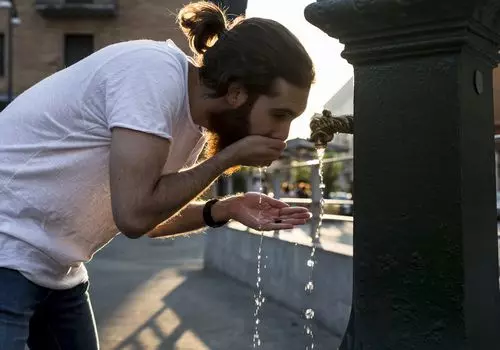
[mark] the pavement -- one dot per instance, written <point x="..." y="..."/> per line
<point x="154" y="294"/>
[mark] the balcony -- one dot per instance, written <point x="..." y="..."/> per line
<point x="77" y="8"/>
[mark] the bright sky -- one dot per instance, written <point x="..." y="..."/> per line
<point x="332" y="71"/>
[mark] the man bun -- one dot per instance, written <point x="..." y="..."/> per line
<point x="202" y="22"/>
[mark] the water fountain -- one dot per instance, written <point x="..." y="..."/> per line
<point x="325" y="126"/>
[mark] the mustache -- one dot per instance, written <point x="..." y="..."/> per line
<point x="229" y="126"/>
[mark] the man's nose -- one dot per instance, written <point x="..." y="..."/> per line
<point x="281" y="133"/>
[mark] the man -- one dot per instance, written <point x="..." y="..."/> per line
<point x="111" y="144"/>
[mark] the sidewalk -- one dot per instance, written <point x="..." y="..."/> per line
<point x="150" y="294"/>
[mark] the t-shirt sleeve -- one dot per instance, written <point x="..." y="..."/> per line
<point x="144" y="90"/>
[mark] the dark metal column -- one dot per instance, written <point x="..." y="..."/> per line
<point x="234" y="8"/>
<point x="425" y="235"/>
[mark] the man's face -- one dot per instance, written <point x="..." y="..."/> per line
<point x="263" y="115"/>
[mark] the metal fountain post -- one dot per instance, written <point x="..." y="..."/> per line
<point x="425" y="233"/>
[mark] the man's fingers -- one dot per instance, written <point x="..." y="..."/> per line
<point x="276" y="203"/>
<point x="303" y="217"/>
<point x="279" y="224"/>
<point x="293" y="210"/>
<point x="294" y="221"/>
<point x="294" y="213"/>
<point x="296" y="216"/>
<point x="277" y="144"/>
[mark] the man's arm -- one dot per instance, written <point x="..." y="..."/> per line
<point x="190" y="219"/>
<point x="141" y="197"/>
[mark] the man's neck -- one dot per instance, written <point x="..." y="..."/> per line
<point x="200" y="105"/>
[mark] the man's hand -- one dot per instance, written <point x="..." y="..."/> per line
<point x="255" y="150"/>
<point x="262" y="212"/>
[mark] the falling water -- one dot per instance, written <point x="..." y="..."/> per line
<point x="309" y="287"/>
<point x="259" y="298"/>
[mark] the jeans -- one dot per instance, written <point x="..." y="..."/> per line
<point x="42" y="318"/>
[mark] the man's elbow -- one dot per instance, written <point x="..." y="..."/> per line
<point x="130" y="227"/>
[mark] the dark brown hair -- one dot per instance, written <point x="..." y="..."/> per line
<point x="253" y="52"/>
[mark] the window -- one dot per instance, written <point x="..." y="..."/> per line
<point x="3" y="52"/>
<point x="79" y="1"/>
<point x="77" y="47"/>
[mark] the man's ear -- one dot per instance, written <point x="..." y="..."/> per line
<point x="236" y="95"/>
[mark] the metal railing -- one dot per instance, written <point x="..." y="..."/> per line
<point x="274" y="174"/>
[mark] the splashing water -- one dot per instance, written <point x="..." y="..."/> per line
<point x="309" y="287"/>
<point x="259" y="299"/>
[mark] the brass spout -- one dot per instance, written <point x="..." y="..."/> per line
<point x="325" y="126"/>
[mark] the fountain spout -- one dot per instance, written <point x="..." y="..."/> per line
<point x="325" y="126"/>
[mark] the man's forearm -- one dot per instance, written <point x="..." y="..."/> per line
<point x="190" y="219"/>
<point x="174" y="191"/>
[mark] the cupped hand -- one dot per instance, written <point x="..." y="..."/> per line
<point x="261" y="212"/>
<point x="255" y="150"/>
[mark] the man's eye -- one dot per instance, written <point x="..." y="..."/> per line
<point x="281" y="116"/>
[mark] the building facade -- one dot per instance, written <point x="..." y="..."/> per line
<point x="56" y="33"/>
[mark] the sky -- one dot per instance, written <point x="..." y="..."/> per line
<point x="332" y="71"/>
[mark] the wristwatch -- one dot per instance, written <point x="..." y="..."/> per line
<point x="207" y="215"/>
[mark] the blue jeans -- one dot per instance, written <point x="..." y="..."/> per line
<point x="43" y="318"/>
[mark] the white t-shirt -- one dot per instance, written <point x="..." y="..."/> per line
<point x="55" y="205"/>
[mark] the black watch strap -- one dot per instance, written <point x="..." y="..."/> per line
<point x="207" y="215"/>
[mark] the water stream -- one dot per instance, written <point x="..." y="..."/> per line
<point x="311" y="262"/>
<point x="259" y="298"/>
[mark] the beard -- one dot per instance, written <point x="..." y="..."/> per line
<point x="226" y="128"/>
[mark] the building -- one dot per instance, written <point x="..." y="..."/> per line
<point x="54" y="34"/>
<point x="342" y="103"/>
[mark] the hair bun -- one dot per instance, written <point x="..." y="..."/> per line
<point x="202" y="22"/>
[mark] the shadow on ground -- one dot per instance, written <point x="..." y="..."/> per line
<point x="155" y="295"/>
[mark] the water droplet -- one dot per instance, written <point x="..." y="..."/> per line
<point x="309" y="314"/>
<point x="257" y="321"/>
<point x="310" y="263"/>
